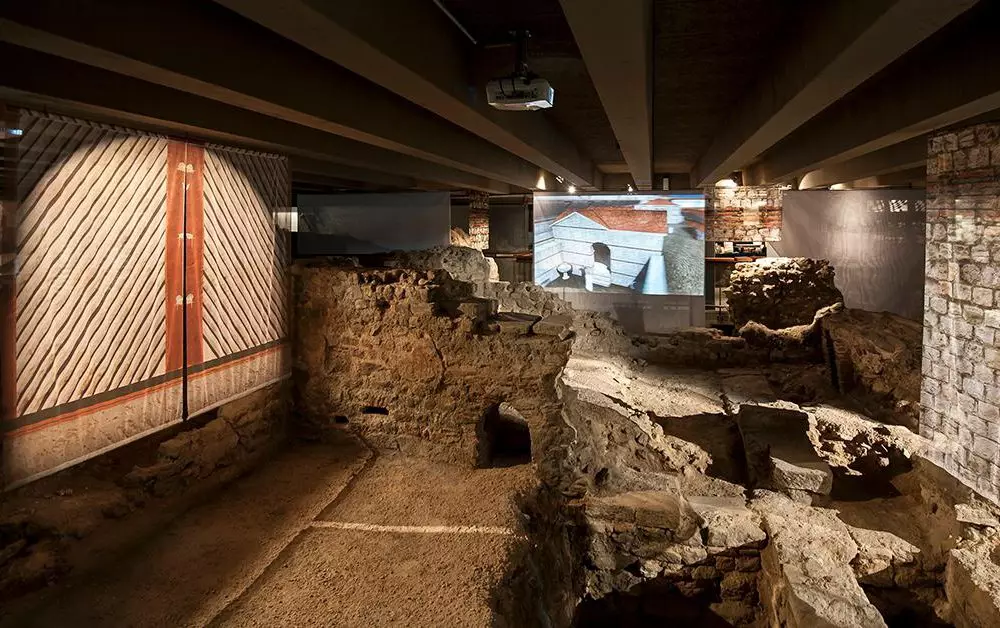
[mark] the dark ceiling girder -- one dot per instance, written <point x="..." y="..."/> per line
<point x="204" y="49"/>
<point x="951" y="78"/>
<point x="903" y="156"/>
<point x="306" y="169"/>
<point x="426" y="62"/>
<point x="912" y="177"/>
<point x="836" y="52"/>
<point x="41" y="80"/>
<point x="615" y="39"/>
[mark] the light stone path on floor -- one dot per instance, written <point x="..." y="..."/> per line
<point x="317" y="536"/>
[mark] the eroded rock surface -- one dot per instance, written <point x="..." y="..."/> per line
<point x="877" y="357"/>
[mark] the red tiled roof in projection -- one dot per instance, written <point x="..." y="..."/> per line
<point x="623" y="218"/>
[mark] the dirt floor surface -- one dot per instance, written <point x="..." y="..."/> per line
<point x="317" y="536"/>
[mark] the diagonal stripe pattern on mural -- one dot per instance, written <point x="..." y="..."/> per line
<point x="90" y="315"/>
<point x="245" y="256"/>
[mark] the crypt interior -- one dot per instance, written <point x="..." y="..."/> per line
<point x="555" y="313"/>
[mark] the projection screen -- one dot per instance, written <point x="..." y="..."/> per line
<point x="639" y="257"/>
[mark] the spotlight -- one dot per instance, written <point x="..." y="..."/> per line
<point x="540" y="184"/>
<point x="571" y="189"/>
<point x="629" y="188"/>
<point x="726" y="183"/>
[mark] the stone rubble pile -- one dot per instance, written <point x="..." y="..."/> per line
<point x="781" y="292"/>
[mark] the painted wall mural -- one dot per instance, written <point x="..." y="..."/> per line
<point x="146" y="268"/>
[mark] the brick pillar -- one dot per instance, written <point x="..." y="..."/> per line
<point x="479" y="220"/>
<point x="960" y="396"/>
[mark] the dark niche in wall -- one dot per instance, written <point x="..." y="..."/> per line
<point x="504" y="438"/>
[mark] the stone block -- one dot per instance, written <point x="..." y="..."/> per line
<point x="728" y="522"/>
<point x="880" y="554"/>
<point x="665" y="510"/>
<point x="972" y="578"/>
<point x="806" y="579"/>
<point x="559" y="325"/>
<point x="515" y="324"/>
<point x="779" y="453"/>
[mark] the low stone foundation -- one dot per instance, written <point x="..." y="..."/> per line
<point x="47" y="527"/>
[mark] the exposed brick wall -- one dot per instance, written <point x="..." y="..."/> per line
<point x="743" y="214"/>
<point x="960" y="394"/>
<point x="479" y="229"/>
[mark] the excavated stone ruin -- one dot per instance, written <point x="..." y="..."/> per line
<point x="770" y="478"/>
<point x="767" y="478"/>
<point x="781" y="292"/>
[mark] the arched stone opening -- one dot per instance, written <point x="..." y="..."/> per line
<point x="504" y="438"/>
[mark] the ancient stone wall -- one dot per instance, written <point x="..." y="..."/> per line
<point x="960" y="391"/>
<point x="781" y="291"/>
<point x="413" y="361"/>
<point x="463" y="263"/>
<point x="242" y="431"/>
<point x="527" y="298"/>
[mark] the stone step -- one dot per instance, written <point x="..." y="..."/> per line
<point x="779" y="454"/>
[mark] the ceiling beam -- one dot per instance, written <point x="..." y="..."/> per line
<point x="903" y="156"/>
<point x="913" y="178"/>
<point x="951" y="77"/>
<point x="438" y="78"/>
<point x="40" y="80"/>
<point x="317" y="170"/>
<point x="206" y="50"/>
<point x="835" y="52"/>
<point x="615" y="39"/>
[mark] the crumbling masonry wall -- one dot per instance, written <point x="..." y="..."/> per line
<point x="960" y="395"/>
<point x="413" y="361"/>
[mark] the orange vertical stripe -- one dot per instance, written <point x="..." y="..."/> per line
<point x="196" y="251"/>
<point x="176" y="166"/>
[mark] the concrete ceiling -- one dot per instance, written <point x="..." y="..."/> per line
<point x="389" y="94"/>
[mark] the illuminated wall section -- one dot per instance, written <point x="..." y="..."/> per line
<point x="125" y="240"/>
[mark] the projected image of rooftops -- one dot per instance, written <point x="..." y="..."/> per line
<point x="635" y="243"/>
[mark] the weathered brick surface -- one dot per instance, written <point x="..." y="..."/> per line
<point x="744" y="214"/>
<point x="960" y="391"/>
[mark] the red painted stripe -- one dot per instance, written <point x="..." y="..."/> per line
<point x="196" y="252"/>
<point x="176" y="165"/>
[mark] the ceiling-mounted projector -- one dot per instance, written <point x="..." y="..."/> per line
<point x="522" y="90"/>
<point x="520" y="93"/>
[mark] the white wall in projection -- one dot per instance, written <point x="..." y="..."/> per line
<point x="637" y="256"/>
